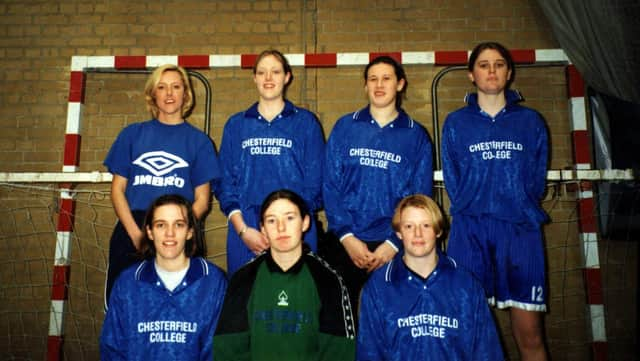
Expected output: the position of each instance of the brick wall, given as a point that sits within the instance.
(38, 38)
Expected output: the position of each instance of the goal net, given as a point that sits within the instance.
(28, 217)
(30, 209)
(29, 212)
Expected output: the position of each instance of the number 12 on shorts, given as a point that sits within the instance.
(537, 294)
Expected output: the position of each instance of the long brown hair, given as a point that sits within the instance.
(193, 246)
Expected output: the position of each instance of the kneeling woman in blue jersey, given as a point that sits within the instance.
(167, 306)
(164, 155)
(420, 306)
(287, 304)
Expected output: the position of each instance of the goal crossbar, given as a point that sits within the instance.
(554, 175)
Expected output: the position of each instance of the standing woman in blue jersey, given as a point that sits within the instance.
(167, 306)
(272, 145)
(374, 158)
(164, 155)
(494, 156)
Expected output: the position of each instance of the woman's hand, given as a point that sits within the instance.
(383, 254)
(358, 251)
(136, 236)
(123, 212)
(254, 240)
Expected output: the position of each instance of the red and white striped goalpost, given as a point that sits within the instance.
(586, 214)
(80, 65)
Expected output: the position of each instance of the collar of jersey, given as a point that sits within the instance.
(158, 123)
(295, 269)
(252, 112)
(513, 97)
(402, 121)
(198, 268)
(400, 272)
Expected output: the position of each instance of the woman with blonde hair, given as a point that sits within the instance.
(160, 156)
(421, 303)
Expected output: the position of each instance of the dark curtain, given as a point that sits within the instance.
(602, 39)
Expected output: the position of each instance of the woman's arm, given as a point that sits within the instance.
(423, 174)
(449, 163)
(313, 166)
(112, 338)
(371, 342)
(252, 237)
(538, 177)
(333, 192)
(123, 212)
(201, 198)
(381, 256)
(358, 251)
(217, 292)
(228, 192)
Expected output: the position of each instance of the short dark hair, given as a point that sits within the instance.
(193, 246)
(504, 52)
(284, 194)
(282, 59)
(398, 70)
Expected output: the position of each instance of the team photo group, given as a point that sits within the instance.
(389, 277)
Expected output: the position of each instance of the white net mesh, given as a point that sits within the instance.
(29, 215)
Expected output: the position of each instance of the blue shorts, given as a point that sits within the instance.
(507, 258)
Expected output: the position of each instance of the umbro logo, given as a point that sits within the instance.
(160, 163)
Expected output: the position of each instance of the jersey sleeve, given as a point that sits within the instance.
(424, 166)
(118, 160)
(450, 172)
(332, 348)
(206, 353)
(228, 192)
(113, 337)
(336, 325)
(231, 340)
(538, 177)
(485, 344)
(313, 167)
(370, 345)
(232, 347)
(340, 220)
(206, 167)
